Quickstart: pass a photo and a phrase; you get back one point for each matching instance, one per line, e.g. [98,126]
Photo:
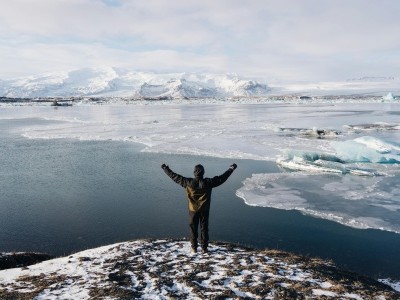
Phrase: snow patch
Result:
[319,292]
[394,284]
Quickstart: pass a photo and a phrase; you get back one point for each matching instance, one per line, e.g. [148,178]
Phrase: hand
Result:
[233,167]
[164,166]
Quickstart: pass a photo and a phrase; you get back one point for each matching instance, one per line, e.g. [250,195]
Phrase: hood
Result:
[198,171]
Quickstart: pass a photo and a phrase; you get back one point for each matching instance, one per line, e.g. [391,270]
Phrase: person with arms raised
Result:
[198,192]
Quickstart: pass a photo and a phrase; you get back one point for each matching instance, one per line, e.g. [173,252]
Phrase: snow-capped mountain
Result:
[123,83]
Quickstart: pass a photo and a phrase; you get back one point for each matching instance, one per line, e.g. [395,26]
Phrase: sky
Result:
[297,40]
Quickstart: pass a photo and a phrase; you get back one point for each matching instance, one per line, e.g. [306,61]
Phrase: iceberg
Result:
[368,149]
[313,162]
[389,97]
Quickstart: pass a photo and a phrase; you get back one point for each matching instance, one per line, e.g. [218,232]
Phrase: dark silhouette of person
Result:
[198,192]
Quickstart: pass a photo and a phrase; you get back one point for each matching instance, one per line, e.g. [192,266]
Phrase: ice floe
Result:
[353,201]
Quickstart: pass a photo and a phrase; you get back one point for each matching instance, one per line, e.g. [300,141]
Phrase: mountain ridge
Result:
[100,82]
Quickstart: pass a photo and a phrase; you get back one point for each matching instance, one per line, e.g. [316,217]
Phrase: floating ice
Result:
[376,144]
[286,133]
[311,162]
[325,163]
[309,132]
[351,157]
[389,96]
[378,126]
[256,191]
[359,202]
[368,149]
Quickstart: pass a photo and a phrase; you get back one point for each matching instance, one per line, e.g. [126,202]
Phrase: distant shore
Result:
[296,98]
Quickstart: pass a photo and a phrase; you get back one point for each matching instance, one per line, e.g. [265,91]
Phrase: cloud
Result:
[41,58]
[333,27]
[308,39]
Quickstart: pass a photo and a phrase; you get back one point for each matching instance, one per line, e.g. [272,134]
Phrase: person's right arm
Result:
[179,179]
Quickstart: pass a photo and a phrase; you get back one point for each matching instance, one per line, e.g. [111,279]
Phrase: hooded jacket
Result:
[198,189]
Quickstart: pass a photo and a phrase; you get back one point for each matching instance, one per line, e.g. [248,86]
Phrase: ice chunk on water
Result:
[377,126]
[367,149]
[313,162]
[317,166]
[360,156]
[377,144]
[389,97]
[258,189]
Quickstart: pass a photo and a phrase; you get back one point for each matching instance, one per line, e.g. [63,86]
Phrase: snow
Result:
[353,296]
[162,269]
[326,285]
[318,292]
[394,284]
[108,81]
[117,82]
[372,86]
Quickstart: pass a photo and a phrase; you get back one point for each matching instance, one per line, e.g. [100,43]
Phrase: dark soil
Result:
[23,259]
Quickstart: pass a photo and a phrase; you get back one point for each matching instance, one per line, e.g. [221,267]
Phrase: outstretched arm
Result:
[218,180]
[179,179]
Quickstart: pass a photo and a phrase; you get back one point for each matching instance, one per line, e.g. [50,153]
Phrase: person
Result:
[198,192]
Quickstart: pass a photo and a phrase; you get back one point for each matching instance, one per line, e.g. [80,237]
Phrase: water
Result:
[360,144]
[63,195]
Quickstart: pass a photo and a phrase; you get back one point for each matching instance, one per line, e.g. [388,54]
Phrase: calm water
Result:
[61,196]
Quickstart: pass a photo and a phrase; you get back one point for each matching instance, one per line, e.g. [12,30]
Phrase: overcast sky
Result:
[313,40]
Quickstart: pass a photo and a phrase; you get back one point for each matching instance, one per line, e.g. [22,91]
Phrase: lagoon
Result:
[64,195]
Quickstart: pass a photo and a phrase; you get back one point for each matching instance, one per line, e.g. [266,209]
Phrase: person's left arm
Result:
[218,180]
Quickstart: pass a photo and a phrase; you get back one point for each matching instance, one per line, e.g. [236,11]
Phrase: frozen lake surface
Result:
[338,162]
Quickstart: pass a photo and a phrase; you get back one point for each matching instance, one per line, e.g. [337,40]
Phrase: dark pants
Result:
[195,218]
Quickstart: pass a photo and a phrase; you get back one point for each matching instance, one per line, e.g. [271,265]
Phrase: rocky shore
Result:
[167,269]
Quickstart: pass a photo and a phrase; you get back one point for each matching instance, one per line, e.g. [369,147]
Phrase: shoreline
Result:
[291,99]
[167,267]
